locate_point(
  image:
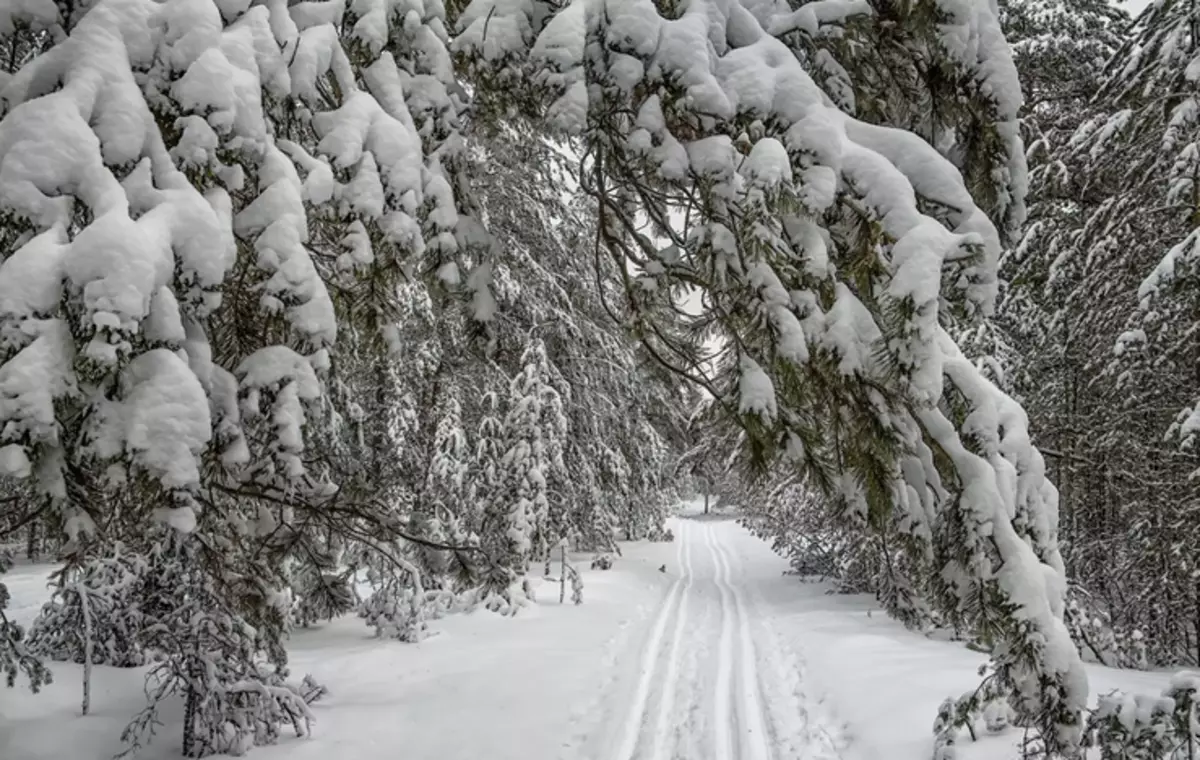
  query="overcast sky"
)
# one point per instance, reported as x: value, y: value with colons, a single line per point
x: 1135, y: 6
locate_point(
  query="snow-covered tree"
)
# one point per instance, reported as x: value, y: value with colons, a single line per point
x: 451, y: 462
x: 398, y: 608
x: 1059, y: 47
x: 618, y: 411
x: 1148, y: 727
x: 209, y: 655
x: 488, y: 450
x: 711, y: 459
x: 831, y: 253
x: 1107, y: 128
x: 518, y: 526
x: 322, y: 592
x: 16, y: 659
x: 95, y: 615
x: 197, y: 200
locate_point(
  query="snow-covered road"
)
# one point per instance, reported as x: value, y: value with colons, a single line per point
x: 711, y: 679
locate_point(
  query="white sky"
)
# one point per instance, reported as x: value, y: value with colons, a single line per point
x: 1134, y: 6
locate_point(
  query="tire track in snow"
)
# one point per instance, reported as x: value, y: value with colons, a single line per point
x: 664, y: 729
x: 632, y: 728
x: 754, y: 740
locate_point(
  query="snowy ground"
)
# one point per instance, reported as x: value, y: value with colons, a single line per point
x: 883, y: 682
x: 721, y: 656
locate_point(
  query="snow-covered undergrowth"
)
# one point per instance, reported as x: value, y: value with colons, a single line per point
x: 481, y: 685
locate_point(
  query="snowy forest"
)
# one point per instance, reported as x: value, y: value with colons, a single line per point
x: 405, y: 311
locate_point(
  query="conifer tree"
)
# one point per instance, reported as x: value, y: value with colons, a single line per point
x: 820, y: 243
x: 197, y: 198
x: 95, y: 616
x: 1103, y: 361
x: 621, y: 410
x: 518, y: 525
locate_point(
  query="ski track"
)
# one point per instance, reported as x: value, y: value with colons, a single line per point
x: 664, y: 729
x: 749, y: 702
x: 632, y: 731
x: 724, y: 717
x: 755, y: 742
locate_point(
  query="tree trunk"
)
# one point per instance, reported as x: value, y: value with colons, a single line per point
x: 562, y: 581
x: 706, y: 501
x: 189, y: 722
x: 33, y: 542
x: 86, y: 608
x: 1196, y: 603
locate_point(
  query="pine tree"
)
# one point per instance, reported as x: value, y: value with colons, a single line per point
x: 1148, y: 727
x: 711, y: 458
x: 199, y: 198
x: 621, y: 409
x: 209, y: 655
x: 1110, y: 363
x: 1059, y: 47
x: 820, y: 243
x: 95, y: 615
x: 16, y: 659
x: 518, y: 526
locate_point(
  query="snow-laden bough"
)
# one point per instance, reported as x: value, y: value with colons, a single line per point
x: 832, y: 254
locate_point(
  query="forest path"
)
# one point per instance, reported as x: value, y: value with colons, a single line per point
x: 722, y: 655
x: 696, y: 662
x: 712, y: 681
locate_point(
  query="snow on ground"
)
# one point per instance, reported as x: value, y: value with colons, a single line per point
x: 883, y: 682
x: 483, y: 686
x: 721, y: 656
x: 711, y: 679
